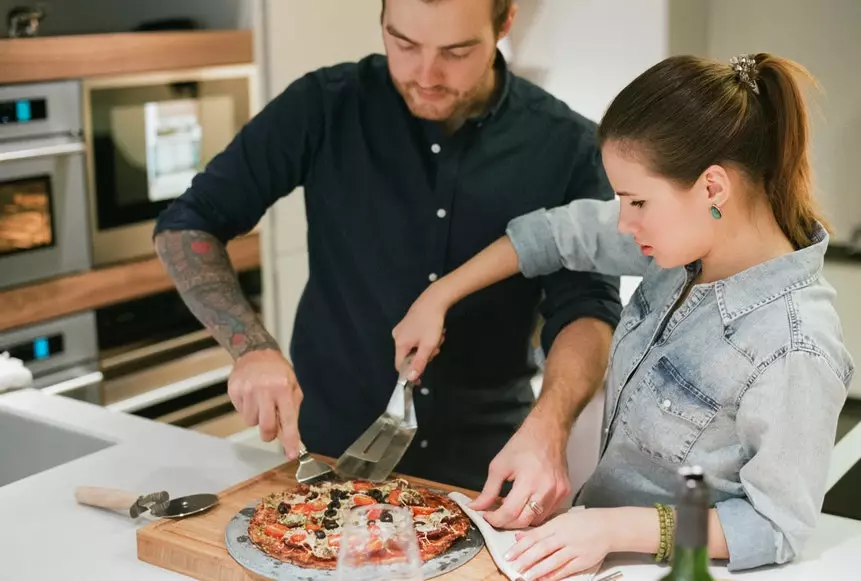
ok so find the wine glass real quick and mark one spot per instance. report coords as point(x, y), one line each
point(378, 543)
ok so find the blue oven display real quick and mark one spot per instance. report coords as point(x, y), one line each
point(23, 111)
point(37, 349)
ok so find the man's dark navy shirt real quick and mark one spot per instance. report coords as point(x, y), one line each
point(393, 203)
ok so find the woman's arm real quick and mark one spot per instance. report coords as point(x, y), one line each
point(581, 235)
point(639, 531)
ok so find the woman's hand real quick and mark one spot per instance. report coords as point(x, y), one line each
point(421, 329)
point(567, 544)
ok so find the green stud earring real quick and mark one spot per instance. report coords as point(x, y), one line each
point(716, 213)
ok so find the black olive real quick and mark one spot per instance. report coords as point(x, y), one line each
point(376, 494)
point(312, 496)
point(371, 522)
point(283, 508)
point(336, 494)
point(329, 524)
point(385, 516)
point(335, 504)
point(330, 512)
point(320, 534)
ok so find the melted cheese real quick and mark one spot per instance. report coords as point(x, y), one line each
point(433, 521)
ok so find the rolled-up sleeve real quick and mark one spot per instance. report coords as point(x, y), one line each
point(580, 236)
point(785, 423)
point(267, 159)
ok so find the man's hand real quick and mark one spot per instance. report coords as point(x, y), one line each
point(535, 460)
point(264, 389)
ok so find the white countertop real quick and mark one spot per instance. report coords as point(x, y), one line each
point(90, 544)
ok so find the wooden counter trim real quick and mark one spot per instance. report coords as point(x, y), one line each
point(98, 288)
point(89, 55)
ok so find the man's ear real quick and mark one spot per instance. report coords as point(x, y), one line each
point(509, 22)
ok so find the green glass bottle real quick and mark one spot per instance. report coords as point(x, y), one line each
point(691, 553)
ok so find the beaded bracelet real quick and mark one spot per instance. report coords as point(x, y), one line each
point(667, 522)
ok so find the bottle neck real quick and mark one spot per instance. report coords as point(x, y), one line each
point(691, 553)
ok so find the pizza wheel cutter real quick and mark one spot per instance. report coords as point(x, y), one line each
point(159, 504)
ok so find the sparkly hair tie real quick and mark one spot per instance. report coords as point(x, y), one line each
point(745, 67)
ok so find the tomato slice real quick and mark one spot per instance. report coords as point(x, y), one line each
point(299, 509)
point(394, 495)
point(362, 485)
point(335, 540)
point(276, 530)
point(298, 537)
point(422, 510)
point(312, 527)
point(317, 506)
point(362, 500)
point(374, 514)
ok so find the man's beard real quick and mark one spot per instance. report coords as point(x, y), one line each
point(456, 105)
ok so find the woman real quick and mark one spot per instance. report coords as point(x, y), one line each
point(729, 355)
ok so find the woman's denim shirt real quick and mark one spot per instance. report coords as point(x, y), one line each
point(746, 379)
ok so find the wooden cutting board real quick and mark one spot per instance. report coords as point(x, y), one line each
point(194, 546)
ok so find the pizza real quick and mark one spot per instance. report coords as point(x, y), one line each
point(302, 525)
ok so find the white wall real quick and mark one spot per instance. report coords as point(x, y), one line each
point(92, 16)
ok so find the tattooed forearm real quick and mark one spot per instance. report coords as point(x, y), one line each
point(200, 268)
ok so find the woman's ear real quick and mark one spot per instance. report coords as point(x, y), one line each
point(717, 184)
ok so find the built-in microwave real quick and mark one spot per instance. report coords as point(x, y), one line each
point(147, 136)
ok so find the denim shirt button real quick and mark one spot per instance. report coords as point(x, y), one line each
point(666, 404)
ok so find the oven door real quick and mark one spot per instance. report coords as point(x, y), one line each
point(43, 210)
point(149, 135)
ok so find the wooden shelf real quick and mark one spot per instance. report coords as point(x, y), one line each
point(89, 55)
point(98, 288)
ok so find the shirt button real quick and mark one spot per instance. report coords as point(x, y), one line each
point(423, 443)
point(436, 148)
point(424, 391)
point(432, 276)
point(440, 213)
point(666, 404)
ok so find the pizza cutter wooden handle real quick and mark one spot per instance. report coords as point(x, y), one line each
point(105, 497)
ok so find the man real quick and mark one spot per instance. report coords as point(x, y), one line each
point(411, 163)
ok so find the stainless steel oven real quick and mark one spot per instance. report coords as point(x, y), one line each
point(43, 204)
point(148, 357)
point(147, 136)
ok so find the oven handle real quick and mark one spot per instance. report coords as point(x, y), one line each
point(43, 151)
point(172, 390)
point(62, 387)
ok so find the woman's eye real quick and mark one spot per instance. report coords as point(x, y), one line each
point(638, 203)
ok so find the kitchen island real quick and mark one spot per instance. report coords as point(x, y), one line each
point(47, 536)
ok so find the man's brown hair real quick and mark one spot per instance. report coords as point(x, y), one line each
point(501, 8)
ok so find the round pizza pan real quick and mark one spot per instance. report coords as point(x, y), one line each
point(247, 554)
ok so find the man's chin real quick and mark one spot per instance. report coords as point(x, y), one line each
point(431, 112)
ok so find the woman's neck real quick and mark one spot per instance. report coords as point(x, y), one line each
point(752, 238)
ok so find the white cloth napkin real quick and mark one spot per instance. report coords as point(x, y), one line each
point(13, 374)
point(499, 541)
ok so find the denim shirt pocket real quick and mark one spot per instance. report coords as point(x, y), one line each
point(666, 414)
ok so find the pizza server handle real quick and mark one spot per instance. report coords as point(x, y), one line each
point(114, 499)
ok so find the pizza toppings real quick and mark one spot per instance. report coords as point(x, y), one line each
point(293, 520)
point(303, 525)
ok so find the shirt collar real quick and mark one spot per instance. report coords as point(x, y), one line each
point(502, 91)
point(767, 282)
